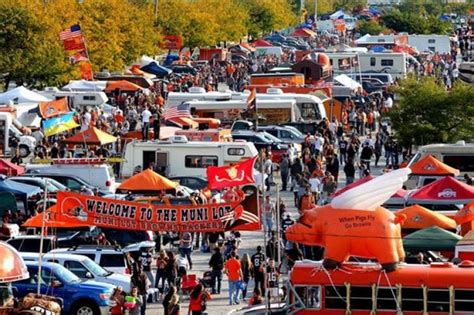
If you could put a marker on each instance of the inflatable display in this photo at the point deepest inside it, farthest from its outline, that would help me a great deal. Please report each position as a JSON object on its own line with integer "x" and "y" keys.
{"x": 355, "y": 224}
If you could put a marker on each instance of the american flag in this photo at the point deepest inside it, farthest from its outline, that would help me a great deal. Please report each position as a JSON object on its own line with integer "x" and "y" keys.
{"x": 73, "y": 31}
{"x": 182, "y": 110}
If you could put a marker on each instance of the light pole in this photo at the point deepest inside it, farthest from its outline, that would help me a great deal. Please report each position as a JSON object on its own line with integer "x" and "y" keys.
{"x": 315, "y": 11}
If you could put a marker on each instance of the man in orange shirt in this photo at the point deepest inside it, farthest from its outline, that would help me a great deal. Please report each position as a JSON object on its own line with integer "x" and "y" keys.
{"x": 234, "y": 273}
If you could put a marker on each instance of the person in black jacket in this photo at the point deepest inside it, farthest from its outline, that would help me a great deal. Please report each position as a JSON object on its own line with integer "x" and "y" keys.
{"x": 217, "y": 265}
{"x": 349, "y": 170}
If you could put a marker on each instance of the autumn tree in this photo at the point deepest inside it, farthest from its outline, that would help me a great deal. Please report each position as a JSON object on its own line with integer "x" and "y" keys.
{"x": 268, "y": 15}
{"x": 429, "y": 114}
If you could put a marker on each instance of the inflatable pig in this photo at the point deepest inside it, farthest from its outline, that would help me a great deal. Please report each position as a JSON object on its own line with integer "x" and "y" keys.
{"x": 355, "y": 224}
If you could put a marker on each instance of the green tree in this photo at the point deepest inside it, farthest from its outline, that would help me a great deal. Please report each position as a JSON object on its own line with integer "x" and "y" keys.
{"x": 370, "y": 27}
{"x": 268, "y": 15}
{"x": 427, "y": 113}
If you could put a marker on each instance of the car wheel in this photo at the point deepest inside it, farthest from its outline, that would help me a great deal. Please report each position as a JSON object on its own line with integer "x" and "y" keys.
{"x": 86, "y": 309}
{"x": 24, "y": 150}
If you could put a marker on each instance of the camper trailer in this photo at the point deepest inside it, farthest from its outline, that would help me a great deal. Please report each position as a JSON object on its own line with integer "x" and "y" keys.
{"x": 77, "y": 99}
{"x": 274, "y": 111}
{"x": 189, "y": 158}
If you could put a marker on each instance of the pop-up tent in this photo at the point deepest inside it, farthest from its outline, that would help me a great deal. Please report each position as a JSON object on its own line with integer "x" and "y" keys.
{"x": 22, "y": 95}
{"x": 418, "y": 217}
{"x": 304, "y": 32}
{"x": 446, "y": 191}
{"x": 10, "y": 169}
{"x": 261, "y": 43}
{"x": 50, "y": 220}
{"x": 122, "y": 85}
{"x": 147, "y": 181}
{"x": 91, "y": 136}
{"x": 433, "y": 238}
{"x": 430, "y": 166}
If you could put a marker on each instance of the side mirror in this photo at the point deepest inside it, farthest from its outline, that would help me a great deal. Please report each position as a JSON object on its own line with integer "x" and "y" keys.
{"x": 89, "y": 275}
{"x": 56, "y": 284}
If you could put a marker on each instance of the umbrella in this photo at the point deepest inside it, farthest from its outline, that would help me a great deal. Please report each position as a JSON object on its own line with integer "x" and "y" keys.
{"x": 91, "y": 136}
{"x": 147, "y": 181}
{"x": 50, "y": 221}
{"x": 10, "y": 169}
{"x": 122, "y": 85}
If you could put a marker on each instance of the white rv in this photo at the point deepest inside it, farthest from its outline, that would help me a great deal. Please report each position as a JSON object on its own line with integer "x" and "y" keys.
{"x": 197, "y": 94}
{"x": 179, "y": 157}
{"x": 77, "y": 99}
{"x": 275, "y": 111}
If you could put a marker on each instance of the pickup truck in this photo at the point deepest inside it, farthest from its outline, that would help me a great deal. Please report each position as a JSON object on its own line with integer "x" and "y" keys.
{"x": 80, "y": 297}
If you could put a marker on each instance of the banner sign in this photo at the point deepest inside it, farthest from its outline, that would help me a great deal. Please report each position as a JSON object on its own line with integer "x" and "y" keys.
{"x": 240, "y": 215}
{"x": 172, "y": 42}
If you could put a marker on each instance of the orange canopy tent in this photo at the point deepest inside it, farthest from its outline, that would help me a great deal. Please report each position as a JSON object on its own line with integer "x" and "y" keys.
{"x": 122, "y": 85}
{"x": 429, "y": 165}
{"x": 50, "y": 221}
{"x": 418, "y": 217}
{"x": 91, "y": 136}
{"x": 147, "y": 181}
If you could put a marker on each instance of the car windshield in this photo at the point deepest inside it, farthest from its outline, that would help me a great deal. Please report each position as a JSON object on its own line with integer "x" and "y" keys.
{"x": 65, "y": 275}
{"x": 271, "y": 137}
{"x": 55, "y": 183}
{"x": 95, "y": 269}
{"x": 295, "y": 131}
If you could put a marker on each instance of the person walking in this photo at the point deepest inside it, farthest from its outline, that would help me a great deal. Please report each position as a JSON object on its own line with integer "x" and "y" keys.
{"x": 349, "y": 170}
{"x": 167, "y": 299}
{"x": 198, "y": 300}
{"x": 246, "y": 266}
{"x": 186, "y": 247}
{"x": 137, "y": 309}
{"x": 171, "y": 269}
{"x": 268, "y": 214}
{"x": 161, "y": 263}
{"x": 284, "y": 172}
{"x": 146, "y": 115}
{"x": 173, "y": 307}
{"x": 234, "y": 273}
{"x": 258, "y": 263}
{"x": 272, "y": 275}
{"x": 217, "y": 265}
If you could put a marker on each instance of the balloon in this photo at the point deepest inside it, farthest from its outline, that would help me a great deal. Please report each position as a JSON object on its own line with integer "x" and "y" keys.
{"x": 355, "y": 224}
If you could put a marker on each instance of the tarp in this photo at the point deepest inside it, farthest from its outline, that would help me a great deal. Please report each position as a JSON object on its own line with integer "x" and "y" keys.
{"x": 122, "y": 85}
{"x": 22, "y": 95}
{"x": 303, "y": 32}
{"x": 10, "y": 169}
{"x": 446, "y": 190}
{"x": 242, "y": 214}
{"x": 432, "y": 238}
{"x": 348, "y": 82}
{"x": 53, "y": 108}
{"x": 8, "y": 203}
{"x": 261, "y": 43}
{"x": 156, "y": 69}
{"x": 91, "y": 136}
{"x": 337, "y": 15}
{"x": 50, "y": 221}
{"x": 429, "y": 165}
{"x": 83, "y": 85}
{"x": 418, "y": 217}
{"x": 147, "y": 181}
{"x": 20, "y": 190}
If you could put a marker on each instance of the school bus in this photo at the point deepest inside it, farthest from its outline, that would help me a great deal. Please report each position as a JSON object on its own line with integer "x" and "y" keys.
{"x": 363, "y": 289}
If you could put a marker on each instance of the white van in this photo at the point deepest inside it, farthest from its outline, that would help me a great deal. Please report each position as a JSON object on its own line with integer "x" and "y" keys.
{"x": 180, "y": 157}
{"x": 77, "y": 99}
{"x": 99, "y": 175}
{"x": 83, "y": 267}
{"x": 459, "y": 155}
{"x": 275, "y": 111}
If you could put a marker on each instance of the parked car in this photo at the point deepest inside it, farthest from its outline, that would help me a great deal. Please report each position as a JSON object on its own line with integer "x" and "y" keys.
{"x": 262, "y": 141}
{"x": 193, "y": 182}
{"x": 79, "y": 297}
{"x": 53, "y": 185}
{"x": 72, "y": 182}
{"x": 31, "y": 243}
{"x": 83, "y": 267}
{"x": 304, "y": 127}
{"x": 284, "y": 133}
{"x": 183, "y": 69}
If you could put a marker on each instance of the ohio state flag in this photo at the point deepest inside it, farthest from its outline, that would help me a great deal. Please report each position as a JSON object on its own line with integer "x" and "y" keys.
{"x": 232, "y": 175}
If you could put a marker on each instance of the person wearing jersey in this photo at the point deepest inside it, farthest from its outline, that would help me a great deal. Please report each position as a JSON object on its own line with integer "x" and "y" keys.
{"x": 258, "y": 263}
{"x": 285, "y": 224}
{"x": 272, "y": 274}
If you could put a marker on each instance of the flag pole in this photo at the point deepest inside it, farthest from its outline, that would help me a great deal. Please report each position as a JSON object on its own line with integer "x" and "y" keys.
{"x": 40, "y": 258}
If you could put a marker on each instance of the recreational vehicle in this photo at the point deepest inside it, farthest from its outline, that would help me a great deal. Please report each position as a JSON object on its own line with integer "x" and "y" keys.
{"x": 198, "y": 94}
{"x": 274, "y": 111}
{"x": 189, "y": 158}
{"x": 77, "y": 99}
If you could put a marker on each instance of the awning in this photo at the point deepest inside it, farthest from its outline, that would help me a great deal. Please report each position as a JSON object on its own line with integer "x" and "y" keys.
{"x": 433, "y": 238}
{"x": 446, "y": 190}
{"x": 347, "y": 82}
{"x": 147, "y": 181}
{"x": 91, "y": 136}
{"x": 122, "y": 85}
{"x": 10, "y": 169}
{"x": 431, "y": 166}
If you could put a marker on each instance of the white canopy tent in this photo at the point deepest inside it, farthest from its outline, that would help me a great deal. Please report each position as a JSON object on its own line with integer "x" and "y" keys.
{"x": 22, "y": 95}
{"x": 344, "y": 80}
{"x": 83, "y": 85}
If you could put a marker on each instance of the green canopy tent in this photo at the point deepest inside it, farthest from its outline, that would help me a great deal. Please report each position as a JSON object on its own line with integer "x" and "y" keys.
{"x": 431, "y": 239}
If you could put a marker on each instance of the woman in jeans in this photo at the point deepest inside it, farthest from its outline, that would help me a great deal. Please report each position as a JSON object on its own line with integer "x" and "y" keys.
{"x": 246, "y": 267}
